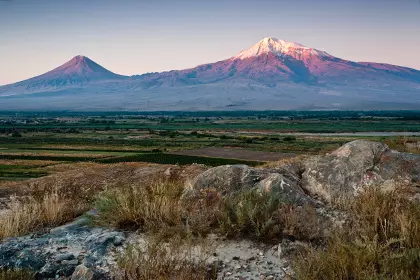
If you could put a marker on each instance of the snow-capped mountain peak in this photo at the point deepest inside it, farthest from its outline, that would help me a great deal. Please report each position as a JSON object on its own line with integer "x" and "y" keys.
{"x": 278, "y": 47}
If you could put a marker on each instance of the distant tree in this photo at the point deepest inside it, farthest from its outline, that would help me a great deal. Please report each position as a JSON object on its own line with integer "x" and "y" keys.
{"x": 289, "y": 138}
{"x": 16, "y": 134}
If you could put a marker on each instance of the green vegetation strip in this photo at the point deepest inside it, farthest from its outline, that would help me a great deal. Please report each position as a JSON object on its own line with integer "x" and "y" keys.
{"x": 163, "y": 158}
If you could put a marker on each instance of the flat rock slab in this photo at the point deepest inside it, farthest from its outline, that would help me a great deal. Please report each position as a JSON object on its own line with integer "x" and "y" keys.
{"x": 70, "y": 248}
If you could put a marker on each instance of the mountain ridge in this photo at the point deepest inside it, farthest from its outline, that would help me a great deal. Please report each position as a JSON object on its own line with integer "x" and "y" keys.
{"x": 271, "y": 74}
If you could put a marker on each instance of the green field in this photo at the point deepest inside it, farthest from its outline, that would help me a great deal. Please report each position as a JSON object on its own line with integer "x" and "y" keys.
{"x": 113, "y": 137}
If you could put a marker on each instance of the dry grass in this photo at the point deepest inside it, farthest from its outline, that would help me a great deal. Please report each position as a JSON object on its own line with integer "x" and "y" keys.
{"x": 156, "y": 206}
{"x": 33, "y": 214}
{"x": 381, "y": 241}
{"x": 56, "y": 199}
{"x": 160, "y": 208}
{"x": 176, "y": 259}
{"x": 16, "y": 275}
{"x": 403, "y": 144}
{"x": 145, "y": 206}
{"x": 297, "y": 160}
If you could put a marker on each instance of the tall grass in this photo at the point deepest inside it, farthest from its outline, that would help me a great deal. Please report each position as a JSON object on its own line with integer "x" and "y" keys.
{"x": 146, "y": 207}
{"x": 382, "y": 241}
{"x": 159, "y": 206}
{"x": 35, "y": 213}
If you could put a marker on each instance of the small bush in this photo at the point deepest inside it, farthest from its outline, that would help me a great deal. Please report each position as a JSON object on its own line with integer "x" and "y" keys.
{"x": 289, "y": 138}
{"x": 177, "y": 259}
{"x": 266, "y": 217}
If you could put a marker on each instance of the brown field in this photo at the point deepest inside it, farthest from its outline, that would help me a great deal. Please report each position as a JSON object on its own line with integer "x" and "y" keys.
{"x": 236, "y": 153}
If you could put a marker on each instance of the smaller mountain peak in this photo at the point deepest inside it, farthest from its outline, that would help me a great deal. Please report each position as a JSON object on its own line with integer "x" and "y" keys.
{"x": 82, "y": 66}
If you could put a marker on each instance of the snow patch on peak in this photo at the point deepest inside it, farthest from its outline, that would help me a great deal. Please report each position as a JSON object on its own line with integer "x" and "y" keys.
{"x": 276, "y": 46}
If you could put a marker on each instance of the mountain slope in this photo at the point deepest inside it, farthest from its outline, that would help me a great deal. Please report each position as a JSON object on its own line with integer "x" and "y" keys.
{"x": 79, "y": 71}
{"x": 272, "y": 74}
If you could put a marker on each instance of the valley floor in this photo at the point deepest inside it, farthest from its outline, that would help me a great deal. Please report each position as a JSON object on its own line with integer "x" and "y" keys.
{"x": 99, "y": 198}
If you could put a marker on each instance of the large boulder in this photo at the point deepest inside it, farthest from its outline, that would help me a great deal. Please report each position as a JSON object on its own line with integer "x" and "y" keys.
{"x": 226, "y": 179}
{"x": 356, "y": 165}
{"x": 288, "y": 189}
{"x": 73, "y": 250}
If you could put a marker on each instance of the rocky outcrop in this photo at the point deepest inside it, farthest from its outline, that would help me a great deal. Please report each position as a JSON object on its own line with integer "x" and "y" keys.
{"x": 356, "y": 165}
{"x": 74, "y": 250}
{"x": 289, "y": 190}
{"x": 228, "y": 179}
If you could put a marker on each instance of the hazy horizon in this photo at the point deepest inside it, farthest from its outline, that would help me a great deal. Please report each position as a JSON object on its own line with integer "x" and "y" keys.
{"x": 132, "y": 37}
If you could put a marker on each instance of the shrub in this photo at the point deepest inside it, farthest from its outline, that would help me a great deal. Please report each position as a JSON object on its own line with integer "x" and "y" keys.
{"x": 266, "y": 217}
{"x": 381, "y": 241}
{"x": 289, "y": 138}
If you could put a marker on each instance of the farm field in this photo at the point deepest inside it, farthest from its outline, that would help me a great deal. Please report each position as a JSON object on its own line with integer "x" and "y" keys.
{"x": 236, "y": 153}
{"x": 32, "y": 143}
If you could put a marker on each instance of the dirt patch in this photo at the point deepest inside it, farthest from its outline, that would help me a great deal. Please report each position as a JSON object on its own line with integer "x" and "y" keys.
{"x": 236, "y": 153}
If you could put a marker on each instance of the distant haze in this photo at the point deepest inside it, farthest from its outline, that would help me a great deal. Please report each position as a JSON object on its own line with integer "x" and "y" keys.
{"x": 135, "y": 37}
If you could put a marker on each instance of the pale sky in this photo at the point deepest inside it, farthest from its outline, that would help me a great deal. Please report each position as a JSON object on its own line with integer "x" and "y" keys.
{"x": 135, "y": 36}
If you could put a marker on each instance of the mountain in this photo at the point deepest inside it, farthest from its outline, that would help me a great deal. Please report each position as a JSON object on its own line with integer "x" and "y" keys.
{"x": 273, "y": 74}
{"x": 272, "y": 61}
{"x": 78, "y": 72}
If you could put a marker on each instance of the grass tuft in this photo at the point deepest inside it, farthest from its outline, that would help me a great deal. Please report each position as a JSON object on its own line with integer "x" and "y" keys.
{"x": 145, "y": 207}
{"x": 33, "y": 214}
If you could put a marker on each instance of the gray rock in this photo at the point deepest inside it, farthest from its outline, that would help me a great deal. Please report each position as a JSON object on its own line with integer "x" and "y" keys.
{"x": 64, "y": 257}
{"x": 53, "y": 255}
{"x": 289, "y": 190}
{"x": 356, "y": 165}
{"x": 82, "y": 273}
{"x": 227, "y": 179}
